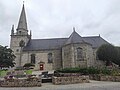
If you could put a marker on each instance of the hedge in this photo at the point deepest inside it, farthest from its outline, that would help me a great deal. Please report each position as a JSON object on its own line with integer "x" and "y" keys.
{"x": 85, "y": 71}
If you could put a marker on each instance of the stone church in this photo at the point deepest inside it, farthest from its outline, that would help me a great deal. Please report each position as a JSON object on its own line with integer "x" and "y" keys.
{"x": 55, "y": 53}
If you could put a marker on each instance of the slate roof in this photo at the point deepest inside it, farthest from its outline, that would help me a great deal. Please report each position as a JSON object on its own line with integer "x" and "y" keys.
{"x": 57, "y": 43}
{"x": 22, "y": 24}
{"x": 95, "y": 41}
{"x": 43, "y": 44}
{"x": 74, "y": 38}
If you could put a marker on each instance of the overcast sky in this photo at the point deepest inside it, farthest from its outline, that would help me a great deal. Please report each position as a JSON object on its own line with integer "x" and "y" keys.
{"x": 56, "y": 18}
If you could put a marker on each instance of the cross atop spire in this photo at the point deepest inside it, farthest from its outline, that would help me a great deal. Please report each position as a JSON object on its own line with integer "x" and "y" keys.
{"x": 22, "y": 24}
{"x": 74, "y": 38}
{"x": 23, "y": 1}
{"x": 73, "y": 29}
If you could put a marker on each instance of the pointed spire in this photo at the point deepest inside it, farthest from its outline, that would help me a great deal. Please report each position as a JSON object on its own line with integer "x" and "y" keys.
{"x": 30, "y": 33}
{"x": 12, "y": 31}
{"x": 22, "y": 24}
{"x": 13, "y": 27}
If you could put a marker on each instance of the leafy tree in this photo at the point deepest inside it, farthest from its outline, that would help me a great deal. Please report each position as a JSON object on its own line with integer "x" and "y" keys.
{"x": 6, "y": 57}
{"x": 107, "y": 53}
{"x": 118, "y": 56}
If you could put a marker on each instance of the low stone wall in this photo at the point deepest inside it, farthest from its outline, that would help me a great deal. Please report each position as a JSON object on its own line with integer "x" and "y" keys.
{"x": 94, "y": 77}
{"x": 110, "y": 78}
{"x": 105, "y": 78}
{"x": 21, "y": 82}
{"x": 70, "y": 80}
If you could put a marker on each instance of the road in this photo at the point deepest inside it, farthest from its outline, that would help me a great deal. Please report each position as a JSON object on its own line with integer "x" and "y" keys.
{"x": 93, "y": 85}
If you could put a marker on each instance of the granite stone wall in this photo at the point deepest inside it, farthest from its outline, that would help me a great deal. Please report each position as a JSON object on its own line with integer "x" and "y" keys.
{"x": 105, "y": 78}
{"x": 69, "y": 55}
{"x": 110, "y": 78}
{"x": 14, "y": 45}
{"x": 33, "y": 82}
{"x": 70, "y": 80}
{"x": 42, "y": 56}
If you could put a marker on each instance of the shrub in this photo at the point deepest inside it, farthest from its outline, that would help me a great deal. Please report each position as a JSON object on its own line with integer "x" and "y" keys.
{"x": 105, "y": 71}
{"x": 85, "y": 71}
{"x": 69, "y": 70}
{"x": 115, "y": 72}
{"x": 28, "y": 65}
{"x": 93, "y": 70}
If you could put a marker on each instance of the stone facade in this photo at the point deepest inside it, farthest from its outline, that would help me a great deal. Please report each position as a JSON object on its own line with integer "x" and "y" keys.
{"x": 42, "y": 56}
{"x": 69, "y": 54}
{"x": 52, "y": 54}
{"x": 14, "y": 45}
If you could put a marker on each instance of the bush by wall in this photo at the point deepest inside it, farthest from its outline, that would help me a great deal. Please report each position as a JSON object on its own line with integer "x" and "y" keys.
{"x": 85, "y": 71}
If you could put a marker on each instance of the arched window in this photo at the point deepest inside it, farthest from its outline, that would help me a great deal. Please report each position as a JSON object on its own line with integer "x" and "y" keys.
{"x": 33, "y": 58}
{"x": 79, "y": 54}
{"x": 50, "y": 59}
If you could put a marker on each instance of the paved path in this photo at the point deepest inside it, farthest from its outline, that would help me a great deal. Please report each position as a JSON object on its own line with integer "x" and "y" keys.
{"x": 93, "y": 85}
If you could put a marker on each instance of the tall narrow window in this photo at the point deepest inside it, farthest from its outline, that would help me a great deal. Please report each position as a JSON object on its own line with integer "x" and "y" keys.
{"x": 33, "y": 58}
{"x": 79, "y": 54}
{"x": 97, "y": 57}
{"x": 50, "y": 59}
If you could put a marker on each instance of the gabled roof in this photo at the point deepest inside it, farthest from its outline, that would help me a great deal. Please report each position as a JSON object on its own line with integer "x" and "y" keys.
{"x": 95, "y": 41}
{"x": 45, "y": 44}
{"x": 57, "y": 43}
{"x": 74, "y": 38}
{"x": 22, "y": 24}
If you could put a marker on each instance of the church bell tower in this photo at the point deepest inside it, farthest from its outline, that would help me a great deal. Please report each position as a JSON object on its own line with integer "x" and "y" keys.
{"x": 21, "y": 34}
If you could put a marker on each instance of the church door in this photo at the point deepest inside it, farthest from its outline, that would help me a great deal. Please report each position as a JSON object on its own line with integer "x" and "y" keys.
{"x": 41, "y": 67}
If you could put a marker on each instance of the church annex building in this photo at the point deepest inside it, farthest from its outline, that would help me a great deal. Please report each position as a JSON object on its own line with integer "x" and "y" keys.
{"x": 55, "y": 53}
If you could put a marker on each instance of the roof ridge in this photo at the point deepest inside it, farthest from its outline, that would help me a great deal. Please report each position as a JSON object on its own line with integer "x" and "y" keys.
{"x": 90, "y": 36}
{"x": 49, "y": 38}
